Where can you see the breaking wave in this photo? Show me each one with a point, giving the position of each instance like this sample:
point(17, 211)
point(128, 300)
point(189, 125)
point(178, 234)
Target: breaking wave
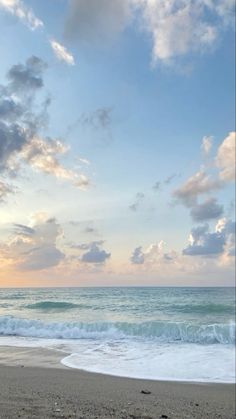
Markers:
point(160, 331)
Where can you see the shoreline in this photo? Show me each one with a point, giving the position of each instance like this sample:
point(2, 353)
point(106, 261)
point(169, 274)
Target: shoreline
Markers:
point(34, 384)
point(51, 358)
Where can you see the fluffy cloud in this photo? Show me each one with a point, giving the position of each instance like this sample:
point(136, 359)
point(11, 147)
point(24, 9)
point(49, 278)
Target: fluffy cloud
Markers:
point(151, 255)
point(17, 122)
point(208, 210)
point(199, 183)
point(34, 246)
point(41, 155)
point(137, 256)
point(95, 255)
point(225, 159)
point(23, 13)
point(208, 253)
point(93, 252)
point(202, 242)
point(175, 27)
point(20, 125)
point(61, 52)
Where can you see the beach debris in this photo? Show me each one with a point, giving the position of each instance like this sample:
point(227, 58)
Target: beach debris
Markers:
point(145, 392)
point(196, 404)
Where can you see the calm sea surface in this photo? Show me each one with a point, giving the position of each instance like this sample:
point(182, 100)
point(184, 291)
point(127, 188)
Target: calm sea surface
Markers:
point(157, 333)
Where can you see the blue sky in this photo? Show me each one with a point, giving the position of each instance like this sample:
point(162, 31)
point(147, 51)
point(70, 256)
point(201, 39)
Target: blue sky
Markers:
point(141, 102)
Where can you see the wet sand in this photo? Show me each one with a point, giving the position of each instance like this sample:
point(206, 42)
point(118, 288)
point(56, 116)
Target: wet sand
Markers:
point(33, 384)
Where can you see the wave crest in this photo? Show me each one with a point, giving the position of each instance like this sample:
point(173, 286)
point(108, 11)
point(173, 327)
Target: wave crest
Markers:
point(161, 331)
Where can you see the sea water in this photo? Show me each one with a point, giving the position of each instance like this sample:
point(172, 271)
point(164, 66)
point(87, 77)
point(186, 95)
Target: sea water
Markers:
point(144, 332)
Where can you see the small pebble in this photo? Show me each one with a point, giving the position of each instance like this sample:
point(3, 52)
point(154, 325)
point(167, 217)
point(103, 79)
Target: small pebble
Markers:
point(145, 392)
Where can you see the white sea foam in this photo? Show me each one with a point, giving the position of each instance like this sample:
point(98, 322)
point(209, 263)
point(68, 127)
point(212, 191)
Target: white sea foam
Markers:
point(140, 359)
point(162, 331)
point(174, 362)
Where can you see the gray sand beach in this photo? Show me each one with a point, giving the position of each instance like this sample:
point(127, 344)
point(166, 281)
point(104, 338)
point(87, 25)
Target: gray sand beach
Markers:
point(34, 384)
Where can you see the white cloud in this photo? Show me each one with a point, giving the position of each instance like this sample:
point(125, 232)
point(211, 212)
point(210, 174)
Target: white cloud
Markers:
point(18, 9)
point(153, 254)
point(206, 144)
point(202, 242)
point(199, 183)
point(42, 156)
point(176, 27)
point(20, 125)
point(61, 52)
point(34, 246)
point(179, 27)
point(225, 159)
point(22, 12)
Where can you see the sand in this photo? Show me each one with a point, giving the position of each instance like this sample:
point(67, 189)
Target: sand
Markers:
point(33, 384)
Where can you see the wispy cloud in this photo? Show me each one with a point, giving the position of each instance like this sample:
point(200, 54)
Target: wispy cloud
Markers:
point(21, 12)
point(61, 52)
point(26, 15)
point(206, 145)
point(137, 202)
point(5, 190)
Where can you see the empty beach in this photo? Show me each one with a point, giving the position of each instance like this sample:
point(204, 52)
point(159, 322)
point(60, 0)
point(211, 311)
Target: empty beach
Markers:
point(33, 384)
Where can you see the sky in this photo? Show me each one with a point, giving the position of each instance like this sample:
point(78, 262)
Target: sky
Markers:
point(117, 143)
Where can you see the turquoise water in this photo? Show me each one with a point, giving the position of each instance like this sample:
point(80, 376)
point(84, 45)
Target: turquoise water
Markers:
point(162, 333)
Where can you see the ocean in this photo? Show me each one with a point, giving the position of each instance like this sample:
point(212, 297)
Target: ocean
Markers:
point(180, 334)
